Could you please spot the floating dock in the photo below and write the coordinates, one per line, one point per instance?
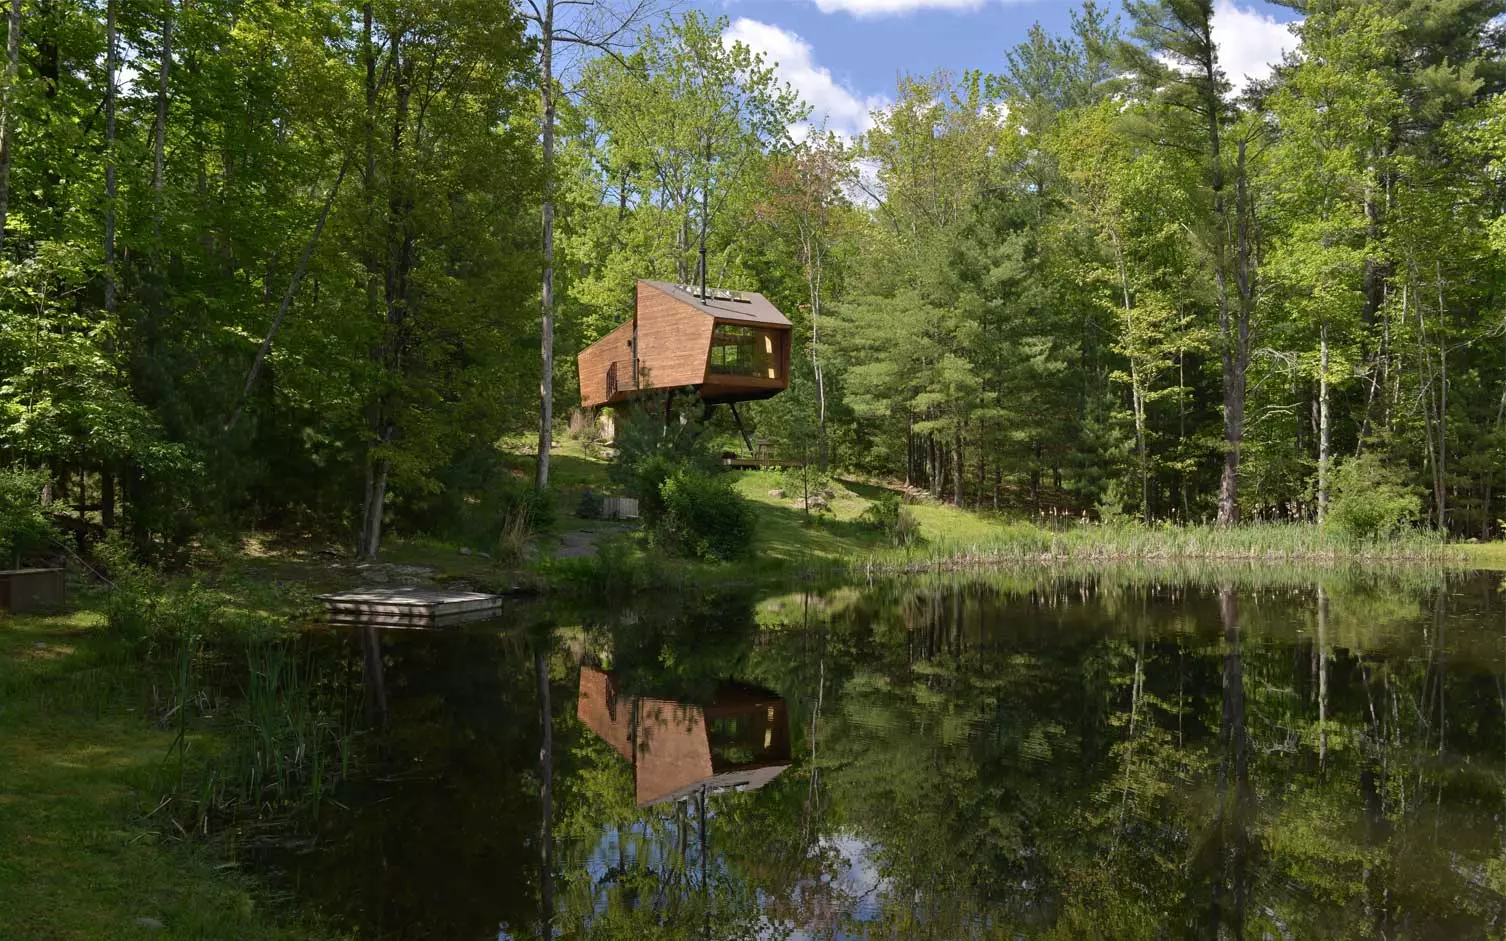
(409, 607)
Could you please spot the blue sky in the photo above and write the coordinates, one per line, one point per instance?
(844, 56)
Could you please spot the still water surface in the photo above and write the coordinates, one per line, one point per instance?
(970, 758)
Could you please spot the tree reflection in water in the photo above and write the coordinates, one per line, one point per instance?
(944, 759)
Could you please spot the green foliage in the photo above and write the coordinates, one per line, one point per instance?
(651, 447)
(704, 517)
(590, 506)
(26, 535)
(889, 516)
(1371, 500)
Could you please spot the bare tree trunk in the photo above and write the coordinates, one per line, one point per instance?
(7, 103)
(376, 502)
(1442, 487)
(1324, 433)
(546, 335)
(815, 287)
(1137, 395)
(111, 65)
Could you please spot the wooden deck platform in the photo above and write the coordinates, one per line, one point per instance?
(409, 607)
(755, 463)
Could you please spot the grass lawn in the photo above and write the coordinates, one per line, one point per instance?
(1488, 556)
(78, 762)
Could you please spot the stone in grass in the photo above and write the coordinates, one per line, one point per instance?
(777, 493)
(150, 923)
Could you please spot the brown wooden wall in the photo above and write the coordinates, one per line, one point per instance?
(673, 339)
(592, 364)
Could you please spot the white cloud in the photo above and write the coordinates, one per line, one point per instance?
(1249, 42)
(840, 108)
(873, 8)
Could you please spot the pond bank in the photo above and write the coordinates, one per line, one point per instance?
(82, 855)
(87, 728)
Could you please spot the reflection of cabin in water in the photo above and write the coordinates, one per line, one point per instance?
(731, 346)
(740, 741)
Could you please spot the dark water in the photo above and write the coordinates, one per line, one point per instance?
(935, 759)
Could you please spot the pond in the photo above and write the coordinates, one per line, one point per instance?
(963, 757)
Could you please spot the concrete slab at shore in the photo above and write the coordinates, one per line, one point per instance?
(409, 607)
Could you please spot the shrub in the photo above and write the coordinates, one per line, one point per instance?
(590, 506)
(651, 447)
(704, 517)
(1371, 500)
(25, 533)
(891, 518)
(651, 473)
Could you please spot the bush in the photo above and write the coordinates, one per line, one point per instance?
(25, 533)
(650, 449)
(704, 517)
(890, 517)
(651, 473)
(1371, 500)
(591, 505)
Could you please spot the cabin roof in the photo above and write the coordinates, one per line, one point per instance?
(750, 306)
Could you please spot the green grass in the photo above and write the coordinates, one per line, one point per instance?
(951, 537)
(80, 763)
(1489, 556)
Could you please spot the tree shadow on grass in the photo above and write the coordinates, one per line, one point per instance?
(787, 533)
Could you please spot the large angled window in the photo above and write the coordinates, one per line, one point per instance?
(744, 351)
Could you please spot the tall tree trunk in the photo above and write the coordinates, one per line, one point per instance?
(546, 330)
(1234, 329)
(959, 468)
(1324, 434)
(398, 263)
(111, 65)
(7, 106)
(159, 129)
(1137, 395)
(1442, 487)
(815, 287)
(375, 503)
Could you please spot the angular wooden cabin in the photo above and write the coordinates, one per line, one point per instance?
(732, 346)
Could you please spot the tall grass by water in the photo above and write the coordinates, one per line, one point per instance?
(1031, 544)
(261, 724)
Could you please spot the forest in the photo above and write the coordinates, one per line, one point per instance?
(311, 266)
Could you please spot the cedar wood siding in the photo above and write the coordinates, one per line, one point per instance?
(594, 360)
(674, 340)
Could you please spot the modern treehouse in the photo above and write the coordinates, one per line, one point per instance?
(730, 346)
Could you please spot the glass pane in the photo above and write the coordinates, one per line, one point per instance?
(744, 351)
